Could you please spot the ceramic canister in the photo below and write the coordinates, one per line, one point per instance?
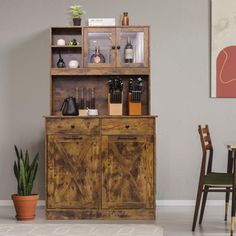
(92, 112)
(61, 42)
(73, 64)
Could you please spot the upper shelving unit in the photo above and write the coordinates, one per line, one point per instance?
(101, 54)
(100, 47)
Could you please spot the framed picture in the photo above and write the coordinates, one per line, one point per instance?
(223, 48)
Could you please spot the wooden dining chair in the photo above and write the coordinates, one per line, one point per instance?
(211, 181)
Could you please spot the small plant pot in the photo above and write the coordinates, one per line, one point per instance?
(77, 21)
(25, 206)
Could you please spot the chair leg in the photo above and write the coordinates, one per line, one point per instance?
(198, 201)
(203, 205)
(227, 203)
(232, 219)
(233, 195)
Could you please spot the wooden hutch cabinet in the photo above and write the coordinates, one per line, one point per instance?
(100, 167)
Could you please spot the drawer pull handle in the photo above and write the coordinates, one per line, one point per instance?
(127, 126)
(79, 138)
(127, 138)
(72, 126)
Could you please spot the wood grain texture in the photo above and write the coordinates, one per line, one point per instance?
(65, 86)
(74, 125)
(127, 176)
(113, 214)
(112, 174)
(100, 71)
(73, 177)
(131, 126)
(99, 117)
(99, 167)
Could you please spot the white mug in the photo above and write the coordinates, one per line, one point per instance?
(61, 42)
(92, 112)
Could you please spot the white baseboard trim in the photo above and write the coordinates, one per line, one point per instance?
(10, 203)
(188, 203)
(158, 203)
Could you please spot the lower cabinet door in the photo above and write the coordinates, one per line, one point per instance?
(128, 169)
(73, 178)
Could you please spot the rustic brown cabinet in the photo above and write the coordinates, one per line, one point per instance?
(100, 167)
(73, 175)
(99, 170)
(127, 176)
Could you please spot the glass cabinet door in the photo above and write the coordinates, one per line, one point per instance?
(132, 47)
(99, 47)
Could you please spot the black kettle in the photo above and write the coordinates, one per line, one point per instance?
(69, 107)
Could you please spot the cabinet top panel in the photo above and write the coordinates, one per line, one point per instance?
(100, 117)
(116, 26)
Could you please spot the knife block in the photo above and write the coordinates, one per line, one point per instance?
(134, 108)
(115, 109)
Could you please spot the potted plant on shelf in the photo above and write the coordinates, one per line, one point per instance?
(25, 172)
(76, 12)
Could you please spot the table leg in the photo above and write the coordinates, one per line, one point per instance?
(233, 198)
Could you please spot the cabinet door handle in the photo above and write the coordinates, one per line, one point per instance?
(118, 47)
(72, 126)
(113, 47)
(127, 126)
(127, 138)
(80, 138)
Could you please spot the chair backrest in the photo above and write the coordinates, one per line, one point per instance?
(205, 138)
(206, 148)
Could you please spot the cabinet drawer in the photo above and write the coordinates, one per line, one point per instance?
(71, 125)
(138, 126)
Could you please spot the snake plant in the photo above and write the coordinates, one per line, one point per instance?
(25, 172)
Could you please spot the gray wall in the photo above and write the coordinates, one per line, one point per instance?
(180, 84)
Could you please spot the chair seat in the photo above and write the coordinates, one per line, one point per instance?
(218, 179)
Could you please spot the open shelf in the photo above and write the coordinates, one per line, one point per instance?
(66, 33)
(64, 86)
(67, 53)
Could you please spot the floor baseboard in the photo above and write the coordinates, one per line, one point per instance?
(158, 203)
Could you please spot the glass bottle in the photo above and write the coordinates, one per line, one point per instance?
(125, 19)
(129, 56)
(97, 57)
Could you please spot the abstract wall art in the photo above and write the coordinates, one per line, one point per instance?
(223, 48)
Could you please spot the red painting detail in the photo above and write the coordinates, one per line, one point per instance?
(226, 73)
